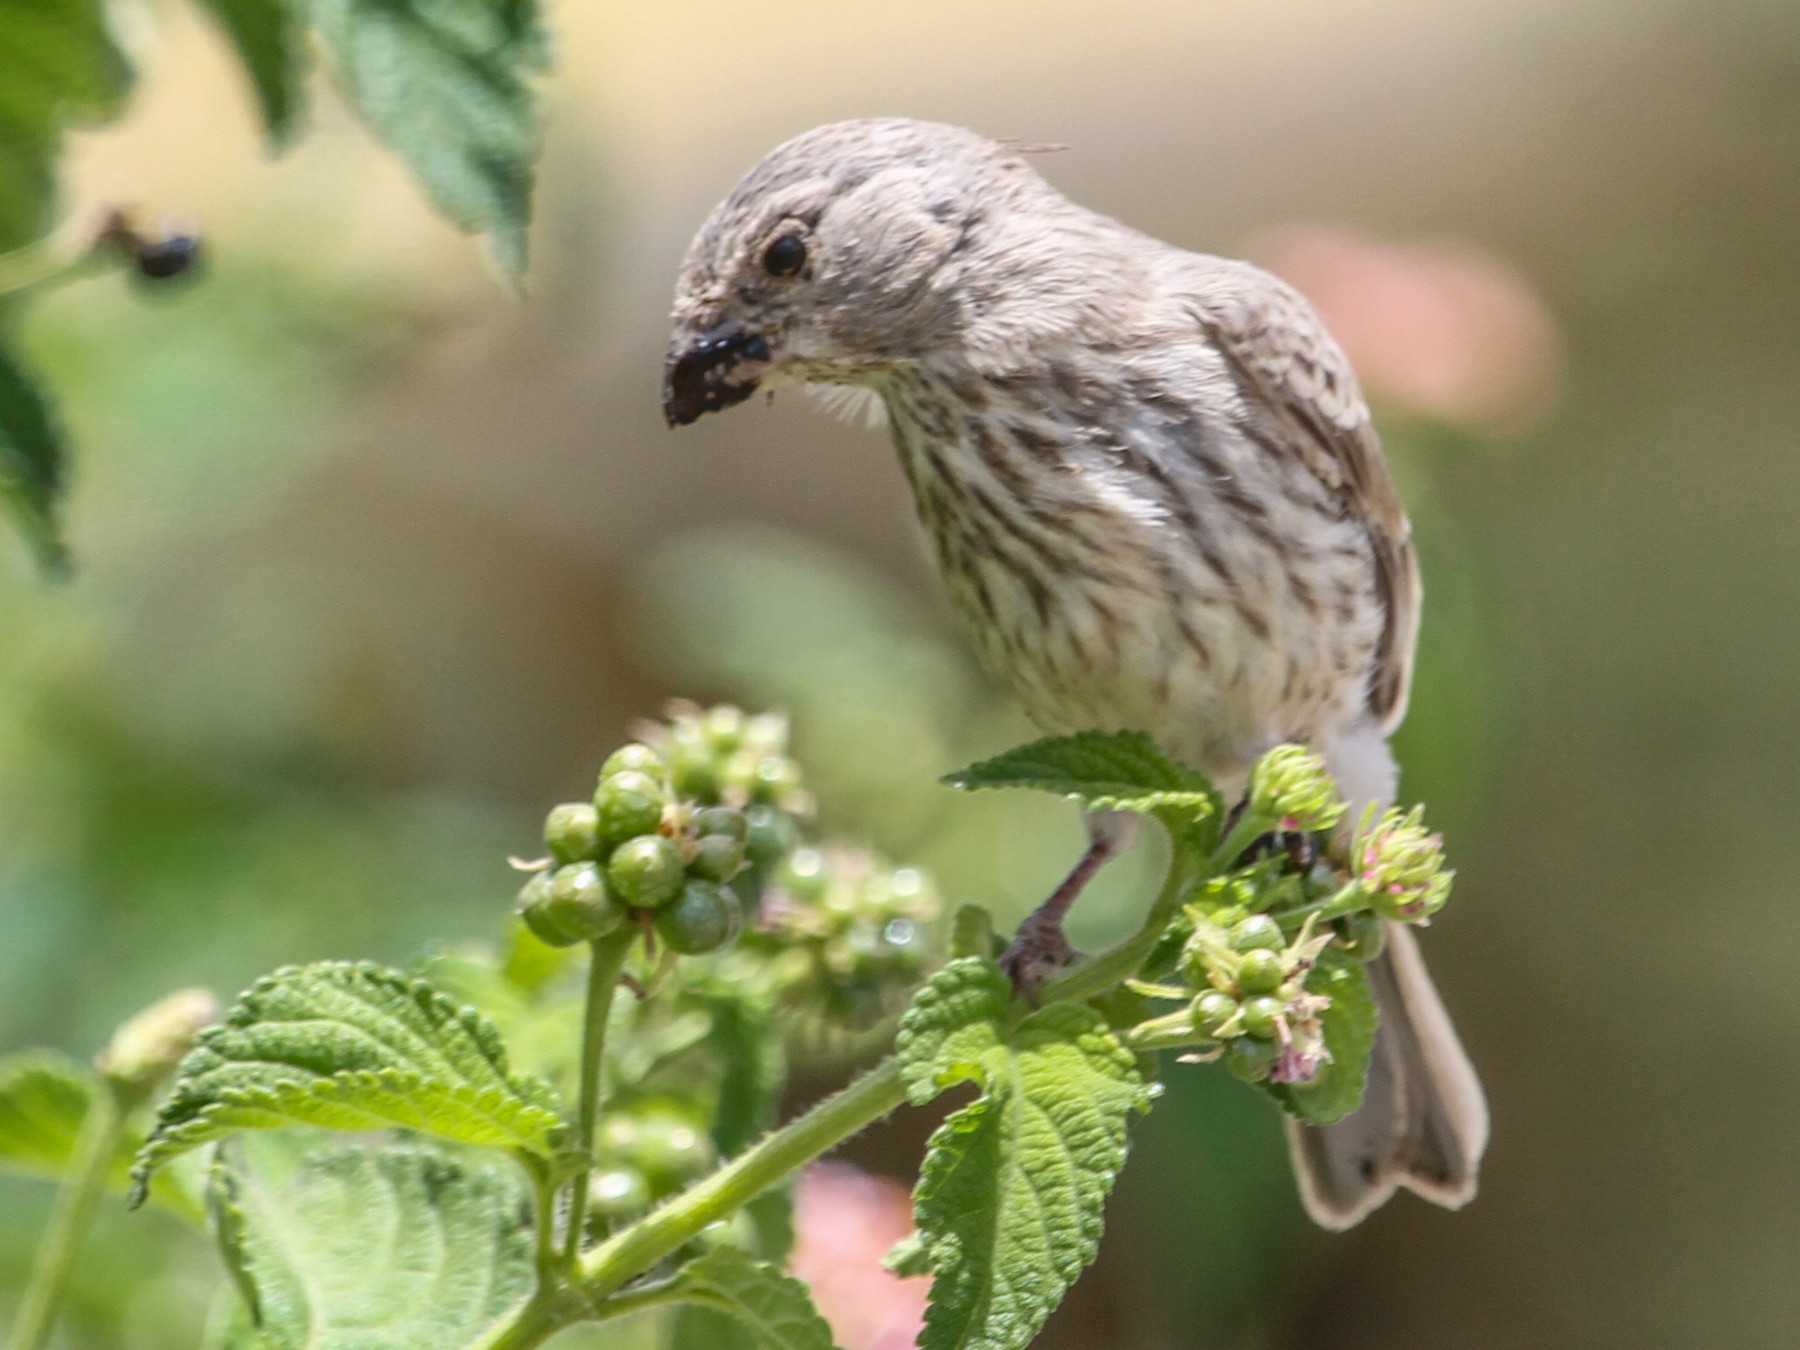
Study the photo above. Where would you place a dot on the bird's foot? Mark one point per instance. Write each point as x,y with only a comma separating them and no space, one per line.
1038,952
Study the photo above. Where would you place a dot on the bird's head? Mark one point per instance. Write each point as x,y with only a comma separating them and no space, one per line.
834,259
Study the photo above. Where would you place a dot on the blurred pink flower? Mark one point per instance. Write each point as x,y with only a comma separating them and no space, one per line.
844,1222
1443,328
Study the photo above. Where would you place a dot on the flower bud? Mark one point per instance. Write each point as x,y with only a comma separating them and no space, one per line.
1291,787
1399,865
638,758
146,1049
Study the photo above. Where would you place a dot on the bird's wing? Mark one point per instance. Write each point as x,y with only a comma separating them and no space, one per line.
1289,365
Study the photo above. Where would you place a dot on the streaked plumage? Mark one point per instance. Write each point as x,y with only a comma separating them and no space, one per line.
1149,481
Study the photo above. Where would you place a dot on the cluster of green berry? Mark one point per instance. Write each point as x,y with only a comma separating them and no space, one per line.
644,1152
849,935
1253,995
639,848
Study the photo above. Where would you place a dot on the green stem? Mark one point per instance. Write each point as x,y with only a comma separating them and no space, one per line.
539,1318
634,1251
1248,829
608,960
91,1164
1347,900
42,265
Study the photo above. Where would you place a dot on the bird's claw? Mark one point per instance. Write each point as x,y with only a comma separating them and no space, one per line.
1038,953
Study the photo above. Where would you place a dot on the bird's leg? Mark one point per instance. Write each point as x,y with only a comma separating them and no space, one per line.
1039,949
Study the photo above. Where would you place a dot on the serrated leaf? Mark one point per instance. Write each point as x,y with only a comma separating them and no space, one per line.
907,1258
447,84
271,43
775,1308
1349,1029
1009,1204
1115,770
352,1047
59,66
31,459
43,1099
349,1248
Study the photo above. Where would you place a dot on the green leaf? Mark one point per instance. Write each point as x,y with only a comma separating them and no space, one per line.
269,40
348,1248
58,66
447,85
1117,770
1009,1204
352,1047
31,460
907,1258
43,1099
1349,1026
777,1309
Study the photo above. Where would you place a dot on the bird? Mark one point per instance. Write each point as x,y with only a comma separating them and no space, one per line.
1151,486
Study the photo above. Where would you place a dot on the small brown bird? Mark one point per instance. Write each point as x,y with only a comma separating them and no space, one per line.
1150,483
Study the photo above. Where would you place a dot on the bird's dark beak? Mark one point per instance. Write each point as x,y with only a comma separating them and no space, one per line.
712,370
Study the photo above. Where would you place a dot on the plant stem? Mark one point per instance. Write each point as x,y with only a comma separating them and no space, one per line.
1346,900
638,1248
1245,832
538,1319
42,265
96,1146
608,960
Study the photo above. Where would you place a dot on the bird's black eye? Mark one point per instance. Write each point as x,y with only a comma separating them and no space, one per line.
785,257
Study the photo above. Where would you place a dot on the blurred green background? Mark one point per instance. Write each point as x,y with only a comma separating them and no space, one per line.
375,562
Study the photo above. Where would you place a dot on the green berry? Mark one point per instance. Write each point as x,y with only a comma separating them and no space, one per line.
619,1193
724,821
540,916
646,871
1261,971
572,832
630,803
1261,1017
736,1231
717,858
694,773
1251,1059
671,1151
1212,1010
1258,931
637,759
776,777
705,918
773,834
1364,935
581,902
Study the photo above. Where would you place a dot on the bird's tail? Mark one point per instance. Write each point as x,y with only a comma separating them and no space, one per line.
1423,1123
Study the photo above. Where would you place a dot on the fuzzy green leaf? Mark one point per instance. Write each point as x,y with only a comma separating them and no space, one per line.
1117,770
58,66
777,1309
1009,1204
270,42
348,1248
447,84
352,1047
1349,1026
31,459
43,1099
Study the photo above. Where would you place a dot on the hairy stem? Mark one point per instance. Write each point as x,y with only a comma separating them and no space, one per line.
603,981
639,1247
95,1148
